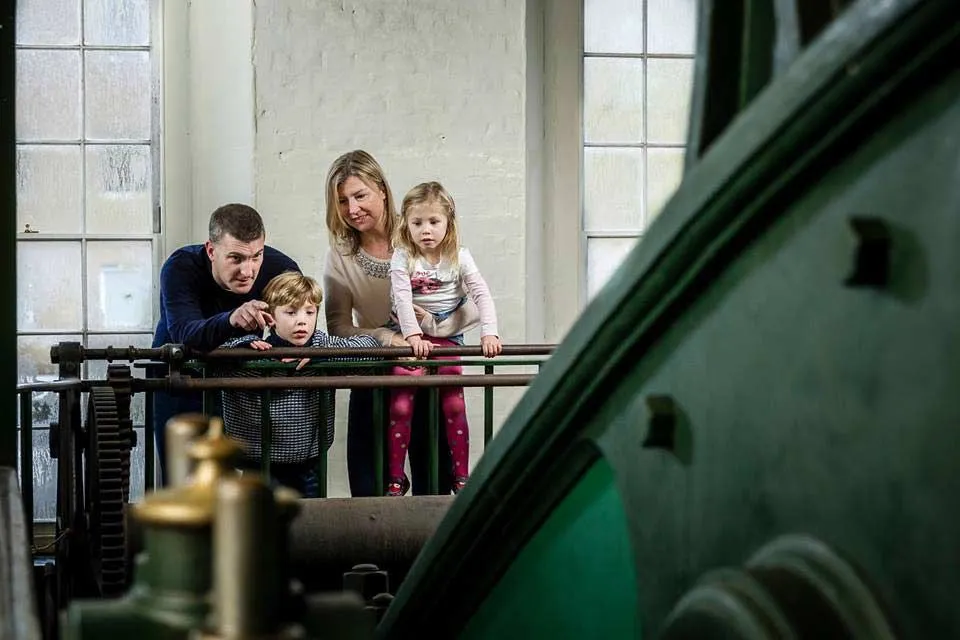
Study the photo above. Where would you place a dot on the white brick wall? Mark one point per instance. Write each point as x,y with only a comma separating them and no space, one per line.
434,89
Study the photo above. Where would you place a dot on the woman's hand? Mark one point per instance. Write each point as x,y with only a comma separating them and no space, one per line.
260,345
490,346
421,348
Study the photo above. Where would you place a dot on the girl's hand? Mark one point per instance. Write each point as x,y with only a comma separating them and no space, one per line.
490,346
421,348
260,345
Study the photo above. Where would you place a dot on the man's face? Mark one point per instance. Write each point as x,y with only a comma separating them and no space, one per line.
235,264
295,324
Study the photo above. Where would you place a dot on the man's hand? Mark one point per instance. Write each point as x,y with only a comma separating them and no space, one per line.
421,348
490,346
251,315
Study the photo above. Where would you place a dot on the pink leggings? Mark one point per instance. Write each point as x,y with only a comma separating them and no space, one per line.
454,413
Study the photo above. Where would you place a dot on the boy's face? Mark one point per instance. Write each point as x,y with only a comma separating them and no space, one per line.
295,324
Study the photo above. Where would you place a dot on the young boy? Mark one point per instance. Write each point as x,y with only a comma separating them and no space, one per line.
295,414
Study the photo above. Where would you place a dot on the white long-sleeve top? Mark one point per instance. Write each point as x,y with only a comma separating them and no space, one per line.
438,288
356,299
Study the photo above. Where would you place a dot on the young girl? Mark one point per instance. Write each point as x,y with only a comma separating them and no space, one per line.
430,269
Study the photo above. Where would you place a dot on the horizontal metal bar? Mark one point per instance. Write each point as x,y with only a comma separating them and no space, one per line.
179,352
181,383
61,385
379,364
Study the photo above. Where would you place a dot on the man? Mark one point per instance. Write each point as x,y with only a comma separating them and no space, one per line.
210,293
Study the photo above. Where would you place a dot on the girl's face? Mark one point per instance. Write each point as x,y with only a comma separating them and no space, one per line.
361,206
295,324
427,225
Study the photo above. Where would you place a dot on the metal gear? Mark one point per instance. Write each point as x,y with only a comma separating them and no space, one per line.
108,486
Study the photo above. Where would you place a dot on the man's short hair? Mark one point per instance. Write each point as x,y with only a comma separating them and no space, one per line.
239,220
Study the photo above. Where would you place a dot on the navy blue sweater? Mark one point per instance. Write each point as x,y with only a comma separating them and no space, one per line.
194,309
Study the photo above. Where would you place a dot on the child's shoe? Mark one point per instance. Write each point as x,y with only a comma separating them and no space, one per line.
459,483
398,486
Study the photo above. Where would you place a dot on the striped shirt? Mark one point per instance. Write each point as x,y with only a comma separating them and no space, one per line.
296,415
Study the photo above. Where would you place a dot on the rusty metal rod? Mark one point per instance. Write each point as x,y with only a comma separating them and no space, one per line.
181,383
170,352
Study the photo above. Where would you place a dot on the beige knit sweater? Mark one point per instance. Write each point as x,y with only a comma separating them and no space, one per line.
357,300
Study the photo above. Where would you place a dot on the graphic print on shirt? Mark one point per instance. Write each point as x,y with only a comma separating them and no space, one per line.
425,282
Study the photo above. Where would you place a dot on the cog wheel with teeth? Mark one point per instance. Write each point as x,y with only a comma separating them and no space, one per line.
109,441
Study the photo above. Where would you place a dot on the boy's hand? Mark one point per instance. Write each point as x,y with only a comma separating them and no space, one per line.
421,348
490,346
303,362
260,345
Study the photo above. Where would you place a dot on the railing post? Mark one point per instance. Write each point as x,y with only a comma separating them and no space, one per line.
487,408
322,443
266,432
379,396
148,444
433,419
26,459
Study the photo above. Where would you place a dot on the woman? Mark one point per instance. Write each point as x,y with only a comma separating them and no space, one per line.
361,215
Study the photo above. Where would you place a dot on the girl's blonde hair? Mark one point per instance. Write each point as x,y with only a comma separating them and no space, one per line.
292,288
429,193
361,165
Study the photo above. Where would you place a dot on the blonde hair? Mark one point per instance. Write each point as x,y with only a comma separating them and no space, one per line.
429,193
292,288
361,165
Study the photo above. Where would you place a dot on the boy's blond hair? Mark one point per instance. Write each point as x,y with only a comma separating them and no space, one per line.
293,289
429,193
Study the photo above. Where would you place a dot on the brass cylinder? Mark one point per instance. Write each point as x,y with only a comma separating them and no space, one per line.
182,431
246,559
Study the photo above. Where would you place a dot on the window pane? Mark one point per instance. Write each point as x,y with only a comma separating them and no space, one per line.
118,95
48,95
669,83
671,26
33,365
120,286
664,172
613,26
49,188
44,476
119,192
613,189
48,286
116,22
48,22
604,255
97,370
612,100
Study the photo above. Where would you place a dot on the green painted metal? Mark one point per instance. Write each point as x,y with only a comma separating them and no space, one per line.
801,400
8,226
575,579
169,597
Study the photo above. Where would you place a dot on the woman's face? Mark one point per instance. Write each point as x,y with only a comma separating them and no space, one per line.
361,206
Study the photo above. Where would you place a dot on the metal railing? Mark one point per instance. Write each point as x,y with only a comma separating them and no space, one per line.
188,370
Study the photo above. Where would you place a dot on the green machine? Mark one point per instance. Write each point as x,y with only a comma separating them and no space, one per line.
749,433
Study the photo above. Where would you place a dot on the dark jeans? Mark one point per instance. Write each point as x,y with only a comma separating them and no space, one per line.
299,476
360,447
165,406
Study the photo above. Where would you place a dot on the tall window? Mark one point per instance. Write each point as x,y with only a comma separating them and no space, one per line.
87,189
637,80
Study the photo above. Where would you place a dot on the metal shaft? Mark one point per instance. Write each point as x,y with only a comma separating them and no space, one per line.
182,431
246,560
